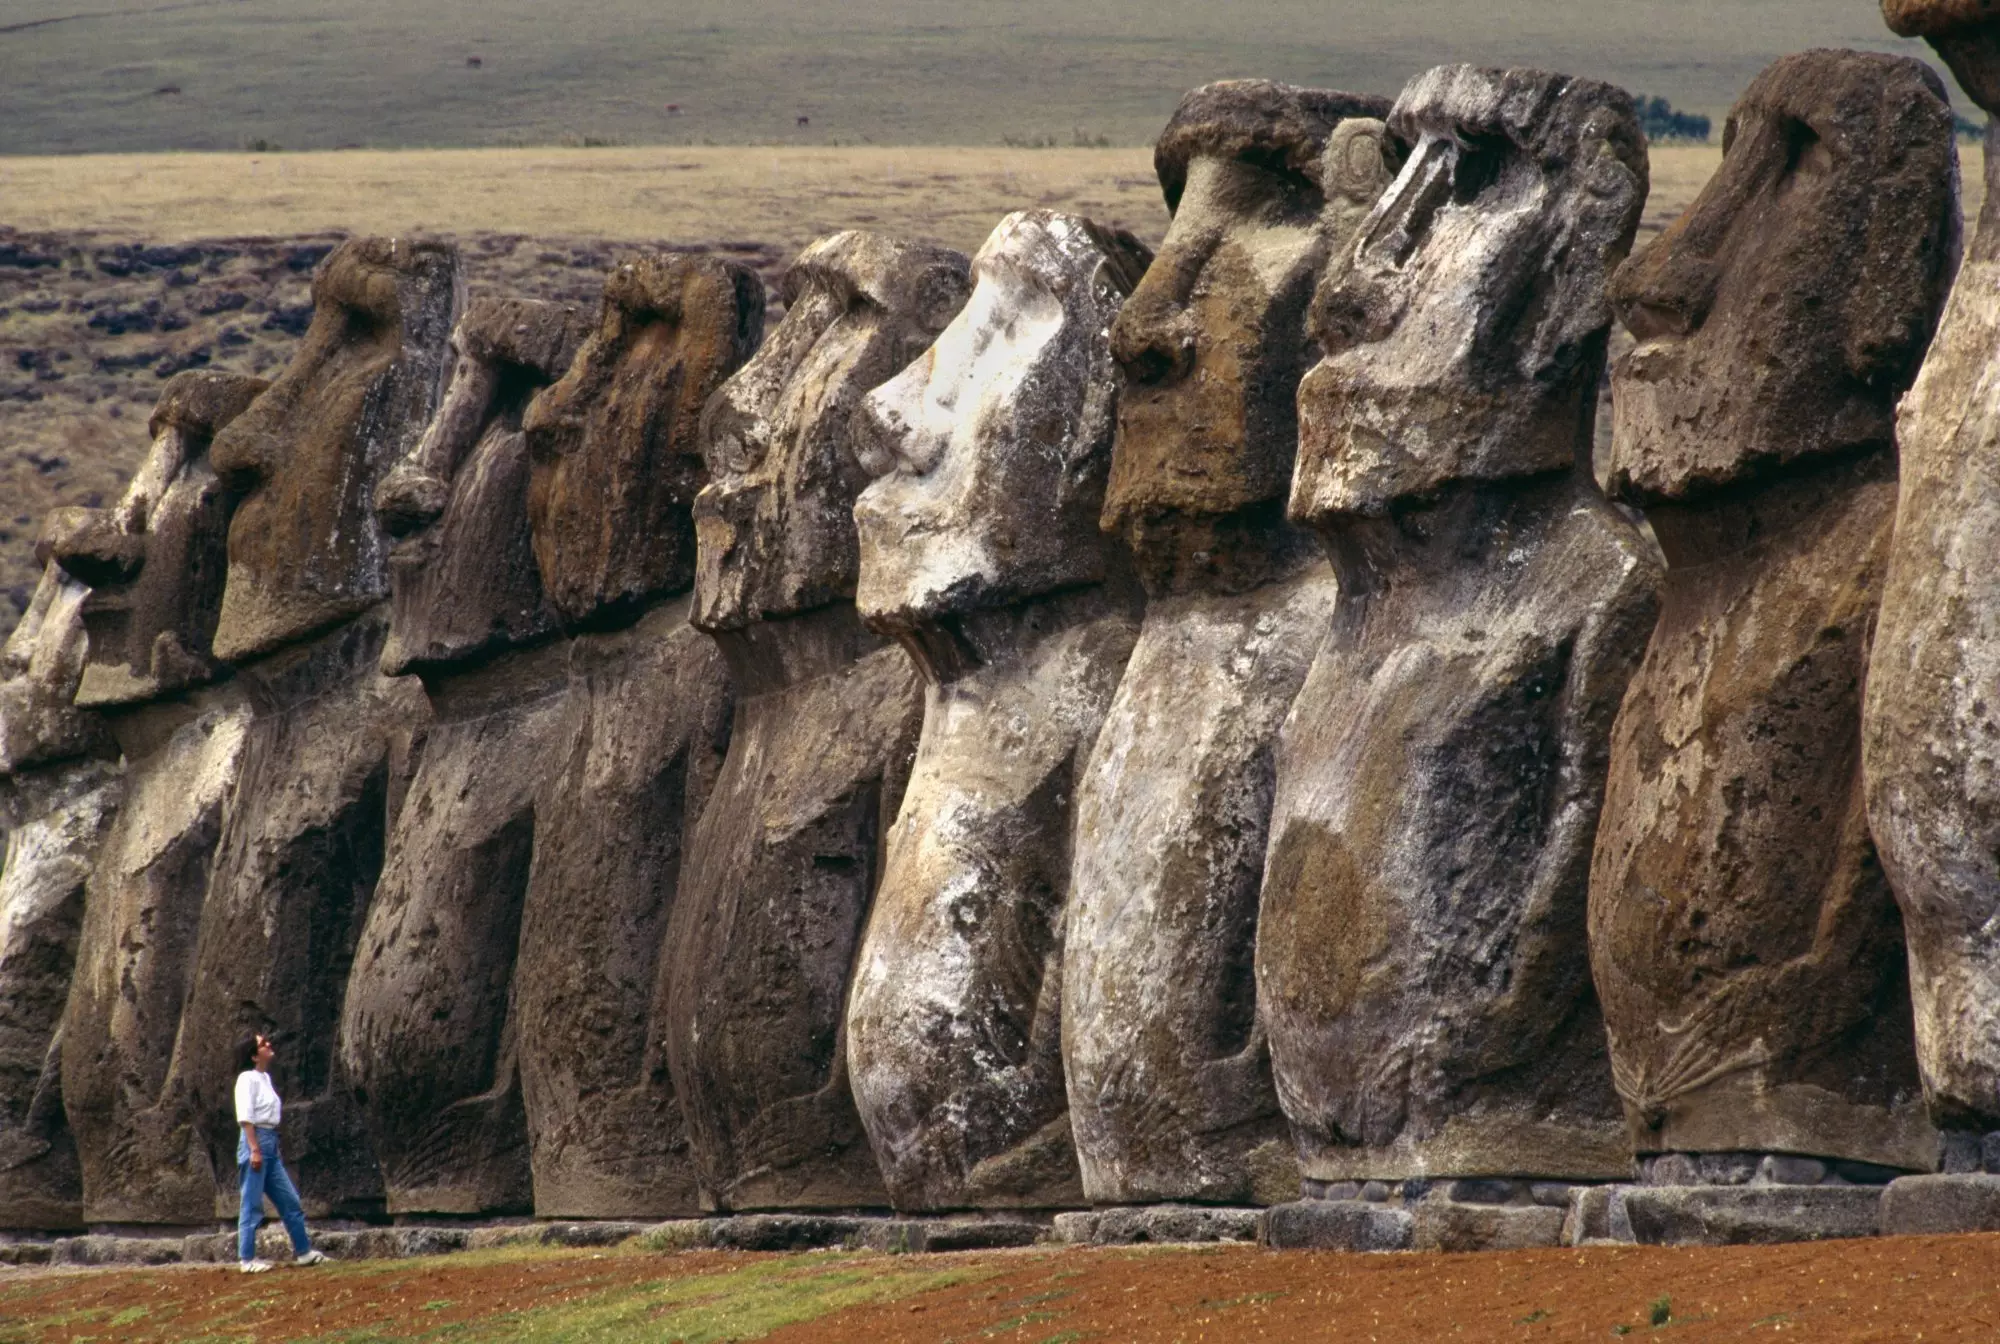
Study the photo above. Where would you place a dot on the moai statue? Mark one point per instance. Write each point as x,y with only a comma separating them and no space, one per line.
59,789
325,756
980,552
616,463
155,564
1746,945
783,862
1169,1078
427,1030
1930,718
1421,954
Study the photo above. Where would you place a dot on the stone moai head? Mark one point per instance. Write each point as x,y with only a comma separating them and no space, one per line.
41,664
462,576
1213,341
155,564
304,549
991,451
615,444
1464,330
1786,311
775,524
1966,33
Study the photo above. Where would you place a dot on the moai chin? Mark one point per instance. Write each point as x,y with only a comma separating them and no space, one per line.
1746,946
1933,799
980,552
783,861
616,464
324,752
1421,957
305,552
427,1031
1169,1078
155,563
59,790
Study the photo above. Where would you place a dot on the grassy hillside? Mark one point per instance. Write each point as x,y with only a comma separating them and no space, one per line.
132,75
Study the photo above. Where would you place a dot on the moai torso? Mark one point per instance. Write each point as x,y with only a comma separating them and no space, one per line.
1421,959
427,1028
616,463
1745,941
784,860
324,756
1930,717
980,552
156,564
1170,1088
59,790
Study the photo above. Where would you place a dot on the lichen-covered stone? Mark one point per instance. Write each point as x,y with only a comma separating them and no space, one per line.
1421,955
156,563
305,551
980,551
41,665
615,444
1745,942
1930,719
1169,1077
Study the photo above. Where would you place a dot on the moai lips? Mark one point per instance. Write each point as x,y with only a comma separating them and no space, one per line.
1169,1079
1421,957
980,551
1745,942
155,563
462,575
58,793
427,1030
615,443
1928,721
305,552
783,861
616,466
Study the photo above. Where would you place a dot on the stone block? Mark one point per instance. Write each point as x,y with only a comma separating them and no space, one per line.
1784,1169
108,1250
679,1234
1751,1215
1449,1225
1323,1225
25,1252
1169,1223
784,1232
1923,1205
1597,1215
1075,1229
928,1235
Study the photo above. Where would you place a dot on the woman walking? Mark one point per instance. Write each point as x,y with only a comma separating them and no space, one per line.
259,1169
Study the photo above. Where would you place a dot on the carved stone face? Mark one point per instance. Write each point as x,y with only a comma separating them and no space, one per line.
304,549
40,666
1213,341
1966,33
775,524
1464,331
156,563
991,450
462,575
615,444
1783,314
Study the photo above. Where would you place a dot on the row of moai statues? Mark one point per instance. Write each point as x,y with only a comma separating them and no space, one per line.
1065,727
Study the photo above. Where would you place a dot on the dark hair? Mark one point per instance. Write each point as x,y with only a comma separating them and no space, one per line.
246,1051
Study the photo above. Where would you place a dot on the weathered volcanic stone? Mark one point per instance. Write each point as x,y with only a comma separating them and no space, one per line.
616,466
615,444
1421,955
1169,1077
1336,1225
53,816
1744,939
784,862
155,563
980,551
427,1029
304,549
1916,1206
1751,1215
1929,721
462,576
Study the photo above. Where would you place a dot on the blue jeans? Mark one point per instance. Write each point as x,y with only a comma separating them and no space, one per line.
271,1179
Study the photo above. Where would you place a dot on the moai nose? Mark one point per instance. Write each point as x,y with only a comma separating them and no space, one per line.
1153,337
91,547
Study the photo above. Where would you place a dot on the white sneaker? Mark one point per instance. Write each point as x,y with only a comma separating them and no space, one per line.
254,1266
310,1258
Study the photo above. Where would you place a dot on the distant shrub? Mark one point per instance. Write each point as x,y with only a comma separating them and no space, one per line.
1660,121
257,144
